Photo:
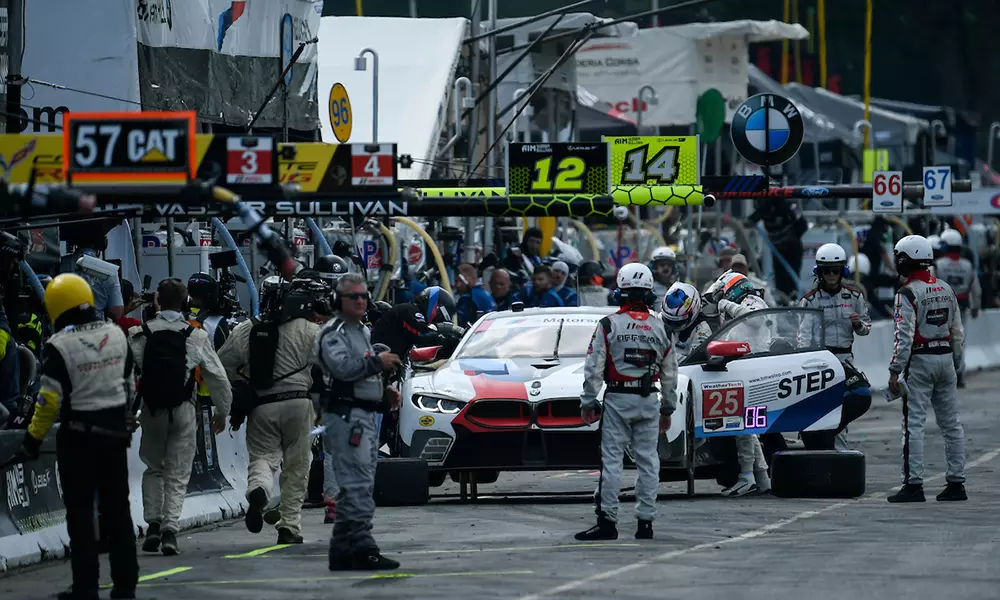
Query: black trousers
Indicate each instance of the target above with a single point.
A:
(92, 464)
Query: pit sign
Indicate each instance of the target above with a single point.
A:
(251, 160)
(557, 168)
(140, 147)
(654, 160)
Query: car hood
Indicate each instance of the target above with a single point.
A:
(517, 378)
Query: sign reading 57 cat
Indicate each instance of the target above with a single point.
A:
(560, 168)
(654, 160)
(139, 147)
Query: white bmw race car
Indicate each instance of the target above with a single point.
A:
(508, 398)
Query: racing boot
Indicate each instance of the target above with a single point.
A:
(645, 530)
(254, 518)
(743, 486)
(72, 594)
(954, 492)
(763, 481)
(372, 560)
(272, 516)
(152, 542)
(285, 536)
(910, 492)
(605, 529)
(169, 543)
(122, 594)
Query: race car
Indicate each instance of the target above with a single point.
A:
(508, 398)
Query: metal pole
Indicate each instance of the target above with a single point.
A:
(170, 246)
(656, 18)
(936, 126)
(994, 131)
(492, 132)
(413, 9)
(360, 64)
(468, 236)
(15, 48)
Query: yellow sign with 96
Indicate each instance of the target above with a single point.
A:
(557, 168)
(653, 160)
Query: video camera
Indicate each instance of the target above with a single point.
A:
(228, 302)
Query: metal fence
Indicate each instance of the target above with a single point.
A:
(4, 53)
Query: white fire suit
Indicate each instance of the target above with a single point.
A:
(688, 340)
(627, 348)
(168, 443)
(926, 352)
(960, 274)
(748, 448)
(836, 327)
(278, 429)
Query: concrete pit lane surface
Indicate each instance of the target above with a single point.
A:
(706, 547)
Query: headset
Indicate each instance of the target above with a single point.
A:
(338, 302)
(649, 299)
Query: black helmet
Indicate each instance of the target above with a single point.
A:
(204, 287)
(588, 271)
(331, 267)
(436, 304)
(377, 309)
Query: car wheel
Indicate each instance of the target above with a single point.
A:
(436, 478)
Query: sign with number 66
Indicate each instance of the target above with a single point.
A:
(887, 192)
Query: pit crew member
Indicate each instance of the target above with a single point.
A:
(629, 352)
(663, 264)
(681, 311)
(927, 353)
(960, 274)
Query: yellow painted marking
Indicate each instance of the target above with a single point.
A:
(258, 552)
(152, 576)
(336, 578)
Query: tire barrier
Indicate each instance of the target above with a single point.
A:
(32, 519)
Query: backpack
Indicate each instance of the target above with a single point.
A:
(263, 350)
(165, 383)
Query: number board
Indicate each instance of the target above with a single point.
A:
(140, 147)
(654, 160)
(722, 406)
(560, 168)
(937, 187)
(372, 165)
(887, 192)
(251, 160)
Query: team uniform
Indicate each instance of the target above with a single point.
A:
(960, 274)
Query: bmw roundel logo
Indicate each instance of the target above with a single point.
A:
(767, 129)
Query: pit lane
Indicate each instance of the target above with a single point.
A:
(705, 547)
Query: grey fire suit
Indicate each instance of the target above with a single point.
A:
(926, 352)
(592, 295)
(960, 274)
(835, 326)
(628, 347)
(168, 442)
(352, 374)
(748, 448)
(278, 428)
(688, 340)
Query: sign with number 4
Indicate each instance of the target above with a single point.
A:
(887, 192)
(937, 186)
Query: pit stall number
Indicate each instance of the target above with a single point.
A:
(724, 409)
(250, 160)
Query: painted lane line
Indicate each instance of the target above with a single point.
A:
(236, 582)
(509, 549)
(258, 551)
(572, 585)
(152, 576)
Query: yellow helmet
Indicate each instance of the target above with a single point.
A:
(66, 292)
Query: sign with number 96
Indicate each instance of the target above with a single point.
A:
(887, 192)
(341, 119)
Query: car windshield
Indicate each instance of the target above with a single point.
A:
(776, 331)
(531, 336)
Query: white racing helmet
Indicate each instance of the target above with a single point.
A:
(861, 265)
(935, 241)
(951, 238)
(635, 275)
(663, 254)
(831, 255)
(681, 305)
(913, 249)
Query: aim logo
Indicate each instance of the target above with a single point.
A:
(230, 16)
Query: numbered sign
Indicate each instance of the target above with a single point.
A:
(653, 160)
(937, 186)
(140, 147)
(887, 192)
(373, 165)
(341, 119)
(562, 168)
(251, 160)
(722, 406)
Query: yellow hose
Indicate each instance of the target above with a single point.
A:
(854, 248)
(595, 250)
(393, 260)
(445, 283)
(899, 222)
(656, 233)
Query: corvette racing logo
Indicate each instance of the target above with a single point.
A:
(17, 157)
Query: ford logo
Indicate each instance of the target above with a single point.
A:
(815, 192)
(886, 203)
(937, 197)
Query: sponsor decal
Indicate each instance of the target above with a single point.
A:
(426, 421)
(805, 383)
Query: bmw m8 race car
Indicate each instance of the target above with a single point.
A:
(508, 398)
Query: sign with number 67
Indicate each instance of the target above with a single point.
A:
(887, 192)
(937, 186)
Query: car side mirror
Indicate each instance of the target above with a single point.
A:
(720, 353)
(424, 355)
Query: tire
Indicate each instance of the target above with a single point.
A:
(436, 478)
(818, 474)
(401, 482)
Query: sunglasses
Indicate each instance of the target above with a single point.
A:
(831, 270)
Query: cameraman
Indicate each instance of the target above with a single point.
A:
(90, 240)
(269, 356)
(206, 307)
(11, 253)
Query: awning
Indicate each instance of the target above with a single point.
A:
(891, 128)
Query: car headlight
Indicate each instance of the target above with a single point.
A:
(436, 404)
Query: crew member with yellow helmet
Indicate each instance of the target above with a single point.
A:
(87, 379)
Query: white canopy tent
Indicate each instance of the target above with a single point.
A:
(679, 63)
